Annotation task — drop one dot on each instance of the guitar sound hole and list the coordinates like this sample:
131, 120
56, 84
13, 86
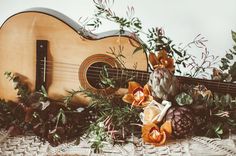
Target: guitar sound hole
93, 74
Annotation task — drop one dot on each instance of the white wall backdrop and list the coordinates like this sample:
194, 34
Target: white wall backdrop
182, 20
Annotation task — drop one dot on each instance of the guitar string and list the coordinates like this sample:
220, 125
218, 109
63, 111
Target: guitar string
231, 89
98, 79
143, 77
112, 69
96, 71
51, 63
115, 71
90, 75
92, 68
147, 74
111, 73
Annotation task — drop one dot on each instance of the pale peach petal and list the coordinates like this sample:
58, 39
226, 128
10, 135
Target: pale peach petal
149, 98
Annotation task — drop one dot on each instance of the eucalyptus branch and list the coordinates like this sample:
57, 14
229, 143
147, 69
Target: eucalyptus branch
207, 62
104, 11
118, 55
198, 41
22, 89
228, 59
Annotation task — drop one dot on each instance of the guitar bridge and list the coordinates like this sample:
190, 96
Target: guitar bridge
41, 64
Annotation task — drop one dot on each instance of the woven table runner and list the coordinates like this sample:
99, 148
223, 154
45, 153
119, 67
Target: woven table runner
31, 145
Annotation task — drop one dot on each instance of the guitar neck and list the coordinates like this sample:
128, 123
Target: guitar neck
220, 87
216, 86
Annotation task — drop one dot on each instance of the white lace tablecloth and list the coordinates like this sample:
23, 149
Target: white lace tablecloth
196, 146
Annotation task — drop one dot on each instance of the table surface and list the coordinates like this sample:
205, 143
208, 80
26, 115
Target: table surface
195, 146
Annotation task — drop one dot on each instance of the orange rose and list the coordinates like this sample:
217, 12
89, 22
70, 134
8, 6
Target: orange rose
137, 95
162, 60
151, 134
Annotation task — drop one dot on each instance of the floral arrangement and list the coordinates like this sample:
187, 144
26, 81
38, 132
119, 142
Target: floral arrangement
161, 110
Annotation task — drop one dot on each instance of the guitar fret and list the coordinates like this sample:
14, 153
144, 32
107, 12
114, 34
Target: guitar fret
117, 73
142, 77
133, 75
136, 74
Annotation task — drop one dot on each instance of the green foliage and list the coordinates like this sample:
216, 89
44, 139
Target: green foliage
106, 81
232, 71
221, 119
233, 36
22, 89
68, 99
5, 114
61, 117
104, 11
184, 99
117, 53
98, 136
229, 57
156, 40
215, 130
115, 116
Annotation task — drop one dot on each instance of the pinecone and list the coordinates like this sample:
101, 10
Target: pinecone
182, 121
163, 83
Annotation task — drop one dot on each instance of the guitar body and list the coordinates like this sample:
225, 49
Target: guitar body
70, 52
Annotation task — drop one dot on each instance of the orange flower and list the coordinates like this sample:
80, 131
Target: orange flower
166, 126
162, 60
152, 134
137, 95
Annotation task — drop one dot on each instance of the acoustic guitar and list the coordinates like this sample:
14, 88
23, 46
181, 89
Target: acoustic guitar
44, 47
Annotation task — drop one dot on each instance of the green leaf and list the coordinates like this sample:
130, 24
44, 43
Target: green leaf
217, 127
229, 56
177, 52
77, 142
228, 99
223, 101
220, 131
233, 36
217, 99
184, 99
234, 47
232, 52
225, 60
63, 118
177, 70
44, 91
